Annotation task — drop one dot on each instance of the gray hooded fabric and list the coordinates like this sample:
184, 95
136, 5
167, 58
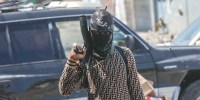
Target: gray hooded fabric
101, 28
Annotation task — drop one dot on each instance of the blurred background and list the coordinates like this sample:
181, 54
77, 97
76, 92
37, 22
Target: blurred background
156, 21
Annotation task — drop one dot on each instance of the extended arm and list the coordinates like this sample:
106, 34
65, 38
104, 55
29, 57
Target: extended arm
72, 72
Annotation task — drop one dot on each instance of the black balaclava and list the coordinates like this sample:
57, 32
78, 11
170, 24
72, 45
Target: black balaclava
101, 28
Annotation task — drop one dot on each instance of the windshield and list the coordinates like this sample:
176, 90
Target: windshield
186, 36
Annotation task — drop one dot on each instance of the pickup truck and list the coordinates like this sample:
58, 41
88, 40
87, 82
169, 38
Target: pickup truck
35, 45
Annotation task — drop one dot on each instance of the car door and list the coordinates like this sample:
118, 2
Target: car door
33, 68
4, 59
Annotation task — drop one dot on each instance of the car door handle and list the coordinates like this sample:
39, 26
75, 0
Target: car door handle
5, 83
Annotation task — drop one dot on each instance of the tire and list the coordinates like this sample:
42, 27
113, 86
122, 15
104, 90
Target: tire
192, 92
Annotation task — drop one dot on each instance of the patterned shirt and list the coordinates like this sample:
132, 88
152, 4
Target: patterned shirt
107, 79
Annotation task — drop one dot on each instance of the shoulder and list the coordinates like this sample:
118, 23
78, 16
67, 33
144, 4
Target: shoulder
126, 50
128, 53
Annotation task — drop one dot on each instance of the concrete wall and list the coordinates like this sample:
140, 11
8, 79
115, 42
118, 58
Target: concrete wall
140, 14
144, 15
130, 13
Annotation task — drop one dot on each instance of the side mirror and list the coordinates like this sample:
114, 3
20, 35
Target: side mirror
130, 42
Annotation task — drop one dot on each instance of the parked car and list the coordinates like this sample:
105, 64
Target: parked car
34, 46
189, 37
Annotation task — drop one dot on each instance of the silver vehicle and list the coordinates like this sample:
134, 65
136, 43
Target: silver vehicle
189, 37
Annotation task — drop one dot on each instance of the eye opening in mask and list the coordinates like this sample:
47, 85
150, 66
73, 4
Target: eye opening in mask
94, 32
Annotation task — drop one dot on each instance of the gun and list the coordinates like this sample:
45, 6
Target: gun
88, 47
86, 37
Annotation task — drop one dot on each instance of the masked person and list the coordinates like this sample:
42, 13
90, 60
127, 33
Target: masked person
107, 75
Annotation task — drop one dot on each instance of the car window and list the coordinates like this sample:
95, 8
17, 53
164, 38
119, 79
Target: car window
4, 52
118, 37
69, 33
30, 41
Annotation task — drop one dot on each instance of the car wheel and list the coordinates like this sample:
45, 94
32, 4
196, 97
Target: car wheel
192, 92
